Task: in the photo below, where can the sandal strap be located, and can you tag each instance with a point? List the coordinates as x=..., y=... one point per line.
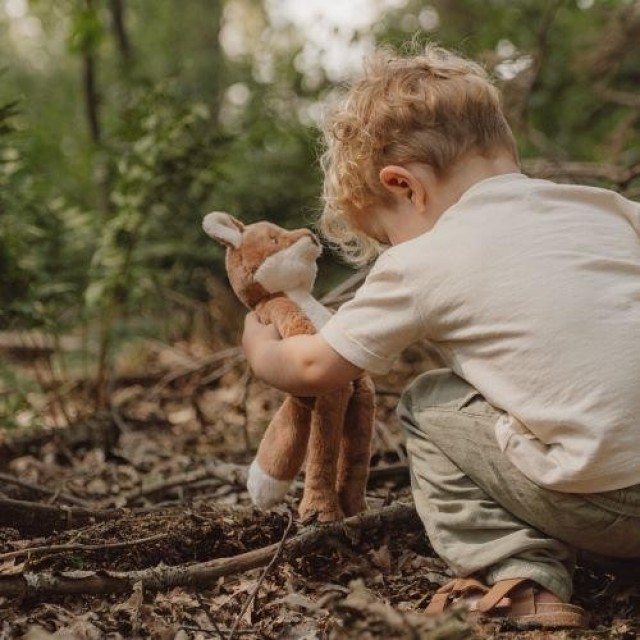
x=437, y=604
x=499, y=590
x=453, y=589
x=498, y=602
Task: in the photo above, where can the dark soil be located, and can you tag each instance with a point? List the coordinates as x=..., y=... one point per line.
x=373, y=588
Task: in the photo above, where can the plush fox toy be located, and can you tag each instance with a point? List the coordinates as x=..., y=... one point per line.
x=272, y=271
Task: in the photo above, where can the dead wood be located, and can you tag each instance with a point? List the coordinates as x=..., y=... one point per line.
x=40, y=519
x=398, y=471
x=344, y=291
x=56, y=548
x=350, y=531
x=620, y=98
x=36, y=488
x=232, y=474
x=27, y=345
x=35, y=518
x=235, y=475
x=229, y=356
x=540, y=168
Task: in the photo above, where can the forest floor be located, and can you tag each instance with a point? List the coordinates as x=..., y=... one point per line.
x=161, y=476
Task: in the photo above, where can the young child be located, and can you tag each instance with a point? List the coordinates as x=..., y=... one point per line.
x=527, y=447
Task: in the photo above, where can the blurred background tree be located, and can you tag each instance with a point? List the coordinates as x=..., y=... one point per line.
x=123, y=121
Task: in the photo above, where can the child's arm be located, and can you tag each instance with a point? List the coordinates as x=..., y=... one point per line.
x=303, y=365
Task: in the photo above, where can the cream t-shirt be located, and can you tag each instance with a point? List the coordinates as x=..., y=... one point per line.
x=531, y=292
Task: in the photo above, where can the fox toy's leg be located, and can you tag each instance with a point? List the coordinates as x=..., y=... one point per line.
x=281, y=453
x=355, y=447
x=320, y=499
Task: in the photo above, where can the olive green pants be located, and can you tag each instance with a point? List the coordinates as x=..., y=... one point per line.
x=483, y=516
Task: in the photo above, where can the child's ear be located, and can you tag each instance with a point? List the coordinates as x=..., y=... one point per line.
x=224, y=228
x=403, y=182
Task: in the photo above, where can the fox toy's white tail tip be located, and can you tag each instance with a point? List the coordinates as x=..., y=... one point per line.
x=264, y=490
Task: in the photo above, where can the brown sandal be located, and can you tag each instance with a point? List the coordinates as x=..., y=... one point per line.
x=513, y=600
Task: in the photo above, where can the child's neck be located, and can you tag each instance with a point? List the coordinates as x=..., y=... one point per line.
x=432, y=195
x=466, y=173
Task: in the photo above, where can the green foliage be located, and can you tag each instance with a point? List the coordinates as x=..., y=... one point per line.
x=34, y=244
x=12, y=277
x=164, y=173
x=562, y=41
x=86, y=30
x=90, y=229
x=11, y=404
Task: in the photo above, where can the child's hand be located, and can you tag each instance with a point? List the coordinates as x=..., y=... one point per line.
x=255, y=336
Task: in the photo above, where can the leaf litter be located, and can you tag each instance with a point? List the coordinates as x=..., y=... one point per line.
x=363, y=588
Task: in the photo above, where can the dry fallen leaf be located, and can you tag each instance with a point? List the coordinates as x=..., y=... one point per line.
x=131, y=606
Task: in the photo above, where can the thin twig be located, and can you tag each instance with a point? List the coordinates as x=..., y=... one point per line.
x=620, y=98
x=37, y=371
x=54, y=548
x=232, y=353
x=221, y=371
x=254, y=592
x=541, y=168
x=344, y=290
x=207, y=613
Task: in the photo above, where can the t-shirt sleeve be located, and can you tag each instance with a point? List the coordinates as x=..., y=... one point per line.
x=381, y=320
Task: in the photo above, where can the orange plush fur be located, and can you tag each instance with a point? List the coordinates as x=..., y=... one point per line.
x=272, y=271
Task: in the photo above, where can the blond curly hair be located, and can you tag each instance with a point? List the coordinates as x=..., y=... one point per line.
x=433, y=108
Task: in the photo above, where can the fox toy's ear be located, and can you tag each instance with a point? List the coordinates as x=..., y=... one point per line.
x=224, y=228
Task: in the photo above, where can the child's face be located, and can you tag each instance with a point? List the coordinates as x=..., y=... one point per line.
x=407, y=211
x=393, y=222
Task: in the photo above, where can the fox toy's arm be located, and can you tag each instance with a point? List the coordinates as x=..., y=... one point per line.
x=303, y=365
x=286, y=316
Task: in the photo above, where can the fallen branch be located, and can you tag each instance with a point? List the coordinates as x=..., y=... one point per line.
x=344, y=291
x=159, y=578
x=36, y=518
x=232, y=474
x=36, y=488
x=55, y=548
x=398, y=471
x=541, y=168
x=621, y=98
x=29, y=345
x=229, y=355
